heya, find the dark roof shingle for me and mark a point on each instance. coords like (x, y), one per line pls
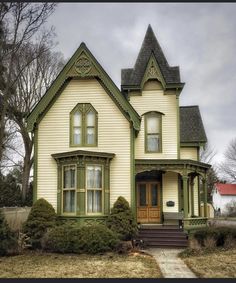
(150, 45)
(191, 126)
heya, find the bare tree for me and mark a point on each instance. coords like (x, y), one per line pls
(20, 24)
(228, 166)
(31, 84)
(207, 153)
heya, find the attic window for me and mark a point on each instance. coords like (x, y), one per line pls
(83, 128)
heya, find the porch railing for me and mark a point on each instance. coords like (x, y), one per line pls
(195, 222)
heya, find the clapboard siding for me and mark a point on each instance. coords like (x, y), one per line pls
(189, 153)
(155, 100)
(170, 191)
(113, 137)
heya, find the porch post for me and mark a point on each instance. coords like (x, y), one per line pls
(192, 195)
(205, 196)
(185, 191)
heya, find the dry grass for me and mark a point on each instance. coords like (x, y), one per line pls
(217, 264)
(49, 265)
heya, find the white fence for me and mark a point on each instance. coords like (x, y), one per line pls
(15, 216)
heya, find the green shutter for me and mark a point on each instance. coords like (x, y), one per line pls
(59, 189)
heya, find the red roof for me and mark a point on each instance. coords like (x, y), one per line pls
(226, 189)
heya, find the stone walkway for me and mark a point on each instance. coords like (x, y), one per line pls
(171, 266)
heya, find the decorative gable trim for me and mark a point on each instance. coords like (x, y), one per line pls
(153, 72)
(82, 65)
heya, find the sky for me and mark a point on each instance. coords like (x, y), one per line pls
(200, 38)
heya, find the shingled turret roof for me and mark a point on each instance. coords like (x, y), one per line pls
(191, 126)
(150, 45)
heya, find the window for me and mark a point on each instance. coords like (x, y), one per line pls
(83, 125)
(69, 185)
(153, 132)
(94, 186)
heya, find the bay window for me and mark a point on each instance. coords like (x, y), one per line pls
(69, 185)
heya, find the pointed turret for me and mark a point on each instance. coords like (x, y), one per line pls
(133, 77)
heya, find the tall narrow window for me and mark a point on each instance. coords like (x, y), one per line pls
(153, 132)
(94, 186)
(83, 125)
(90, 127)
(77, 123)
(69, 180)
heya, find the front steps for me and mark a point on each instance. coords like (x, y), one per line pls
(162, 236)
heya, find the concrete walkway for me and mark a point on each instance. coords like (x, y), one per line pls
(171, 266)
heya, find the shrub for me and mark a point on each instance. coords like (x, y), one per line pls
(68, 238)
(8, 240)
(41, 217)
(121, 220)
(216, 234)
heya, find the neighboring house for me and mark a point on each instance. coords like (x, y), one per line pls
(223, 195)
(94, 143)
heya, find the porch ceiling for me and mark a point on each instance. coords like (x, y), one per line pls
(181, 166)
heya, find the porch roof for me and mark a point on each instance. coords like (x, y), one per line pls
(181, 166)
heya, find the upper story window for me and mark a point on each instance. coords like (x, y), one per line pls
(153, 132)
(83, 125)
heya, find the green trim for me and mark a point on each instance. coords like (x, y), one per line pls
(191, 144)
(81, 159)
(132, 172)
(83, 109)
(180, 197)
(35, 182)
(185, 193)
(178, 126)
(153, 72)
(73, 69)
(158, 115)
(199, 197)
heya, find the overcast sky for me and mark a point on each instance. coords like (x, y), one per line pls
(200, 38)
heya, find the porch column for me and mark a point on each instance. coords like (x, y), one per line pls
(192, 195)
(205, 196)
(185, 192)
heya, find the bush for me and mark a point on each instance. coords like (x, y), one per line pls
(214, 234)
(41, 217)
(121, 220)
(71, 238)
(8, 240)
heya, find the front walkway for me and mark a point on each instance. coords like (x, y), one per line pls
(170, 264)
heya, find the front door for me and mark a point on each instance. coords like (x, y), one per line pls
(148, 202)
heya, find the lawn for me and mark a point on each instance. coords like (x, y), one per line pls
(50, 265)
(216, 264)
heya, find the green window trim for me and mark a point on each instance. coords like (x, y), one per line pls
(81, 159)
(83, 109)
(159, 133)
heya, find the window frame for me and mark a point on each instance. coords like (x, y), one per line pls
(158, 115)
(84, 109)
(86, 189)
(68, 189)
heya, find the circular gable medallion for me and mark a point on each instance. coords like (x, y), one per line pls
(83, 65)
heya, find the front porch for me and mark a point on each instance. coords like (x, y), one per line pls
(168, 192)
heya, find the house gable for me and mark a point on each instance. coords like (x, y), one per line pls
(82, 65)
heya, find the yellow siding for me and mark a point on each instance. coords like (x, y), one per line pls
(196, 196)
(113, 137)
(189, 153)
(170, 191)
(155, 100)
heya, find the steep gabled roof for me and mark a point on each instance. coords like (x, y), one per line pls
(226, 189)
(150, 45)
(191, 126)
(82, 65)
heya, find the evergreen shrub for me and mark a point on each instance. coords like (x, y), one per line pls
(121, 220)
(96, 238)
(41, 217)
(8, 239)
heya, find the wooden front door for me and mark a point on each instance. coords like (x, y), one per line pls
(148, 202)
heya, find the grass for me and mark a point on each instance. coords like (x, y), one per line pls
(217, 263)
(33, 264)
